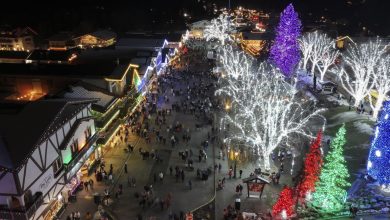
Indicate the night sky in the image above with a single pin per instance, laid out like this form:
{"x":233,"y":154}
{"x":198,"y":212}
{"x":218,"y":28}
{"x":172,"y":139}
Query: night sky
{"x":167,"y":15}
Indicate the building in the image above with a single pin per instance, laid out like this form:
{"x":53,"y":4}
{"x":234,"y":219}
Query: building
{"x":106,"y":112}
{"x":254,"y":43}
{"x":52,"y":56}
{"x":9,"y":56}
{"x":20,"y":39}
{"x":103,"y":38}
{"x":39,"y":171}
{"x":61,"y":41}
{"x":196,"y":29}
{"x":48,"y":72}
{"x":141,"y":44}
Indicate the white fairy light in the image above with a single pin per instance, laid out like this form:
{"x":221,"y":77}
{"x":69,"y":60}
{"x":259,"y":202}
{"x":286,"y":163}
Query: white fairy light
{"x":361,"y":61}
{"x":219,"y":29}
{"x":265,"y":110}
{"x":381,"y":85}
{"x":318,"y":48}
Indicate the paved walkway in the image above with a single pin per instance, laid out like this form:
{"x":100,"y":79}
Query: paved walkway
{"x":184,"y":199}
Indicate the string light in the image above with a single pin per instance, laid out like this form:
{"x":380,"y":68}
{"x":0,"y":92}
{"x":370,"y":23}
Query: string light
{"x":361,"y":61}
{"x":285,"y":52}
{"x":218,"y":29}
{"x":378,"y":160}
{"x":330,"y":193}
{"x":312,"y":168}
{"x":285,"y":204}
{"x":264,"y":110}
{"x":382,"y":85}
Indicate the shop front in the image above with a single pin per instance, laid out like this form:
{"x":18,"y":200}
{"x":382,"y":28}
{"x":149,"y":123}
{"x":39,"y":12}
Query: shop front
{"x":55,"y":208}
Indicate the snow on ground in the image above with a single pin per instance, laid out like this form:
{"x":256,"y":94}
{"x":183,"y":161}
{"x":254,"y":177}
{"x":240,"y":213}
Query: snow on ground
{"x":363,"y":127}
{"x":310,"y":96}
{"x":347,"y":117}
{"x":340,"y":102}
{"x":360,"y":146}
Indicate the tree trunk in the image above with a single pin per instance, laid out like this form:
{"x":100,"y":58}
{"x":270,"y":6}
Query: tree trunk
{"x":378,"y":106}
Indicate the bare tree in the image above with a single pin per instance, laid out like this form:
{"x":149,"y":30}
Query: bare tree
{"x":381,"y":85}
{"x":357,"y":74}
{"x":219,"y":29}
{"x":266,"y":112}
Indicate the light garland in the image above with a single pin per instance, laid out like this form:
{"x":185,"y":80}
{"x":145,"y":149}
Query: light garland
{"x":285,"y":52}
{"x":330,"y":193}
{"x":362,"y":60}
{"x":219,"y":29}
{"x":264,"y":110}
{"x":378,"y":160}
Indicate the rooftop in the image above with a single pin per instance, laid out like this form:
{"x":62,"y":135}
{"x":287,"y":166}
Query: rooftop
{"x":39,"y":119}
{"x":140,"y":43}
{"x":104,"y":34}
{"x":104,"y":100}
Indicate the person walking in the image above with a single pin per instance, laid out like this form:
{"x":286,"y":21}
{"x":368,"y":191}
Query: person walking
{"x":182,"y":175}
{"x":190,"y":184}
{"x":86,"y":186}
{"x":88,"y":216}
{"x":161,"y":175}
{"x":240,"y":173}
{"x":126,"y":167}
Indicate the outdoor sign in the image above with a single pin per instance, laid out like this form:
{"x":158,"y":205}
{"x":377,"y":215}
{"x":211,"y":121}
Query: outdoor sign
{"x":256,"y":187}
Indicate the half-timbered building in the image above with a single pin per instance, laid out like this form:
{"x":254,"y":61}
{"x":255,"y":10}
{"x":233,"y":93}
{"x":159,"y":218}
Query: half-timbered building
{"x":44,"y":148}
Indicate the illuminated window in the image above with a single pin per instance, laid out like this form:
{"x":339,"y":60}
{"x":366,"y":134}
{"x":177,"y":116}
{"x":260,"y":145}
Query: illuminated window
{"x":75,"y":147}
{"x":57,"y":166}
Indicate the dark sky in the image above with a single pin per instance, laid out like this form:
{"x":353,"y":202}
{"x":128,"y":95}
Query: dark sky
{"x":167,"y":15}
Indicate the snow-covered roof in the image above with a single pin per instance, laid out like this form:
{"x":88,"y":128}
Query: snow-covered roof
{"x":80,"y":92}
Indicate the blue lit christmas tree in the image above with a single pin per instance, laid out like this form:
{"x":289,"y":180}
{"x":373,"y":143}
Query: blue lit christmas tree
{"x":285,"y":53}
{"x":378,"y":165}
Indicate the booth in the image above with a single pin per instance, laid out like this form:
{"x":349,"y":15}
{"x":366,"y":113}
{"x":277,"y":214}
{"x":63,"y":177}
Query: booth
{"x":255,"y":185}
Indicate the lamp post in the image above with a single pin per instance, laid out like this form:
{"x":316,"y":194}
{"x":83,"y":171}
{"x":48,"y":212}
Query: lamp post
{"x":235,"y":164}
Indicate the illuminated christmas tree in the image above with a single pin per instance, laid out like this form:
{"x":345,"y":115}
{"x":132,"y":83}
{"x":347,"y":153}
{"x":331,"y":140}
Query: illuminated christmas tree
{"x":330,"y":193}
{"x":378,"y":165}
{"x":312,"y":169}
{"x":284,"y":207}
{"x":285,"y":52}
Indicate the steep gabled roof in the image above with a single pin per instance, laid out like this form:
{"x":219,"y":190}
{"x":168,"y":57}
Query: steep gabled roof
{"x":22,"y":131}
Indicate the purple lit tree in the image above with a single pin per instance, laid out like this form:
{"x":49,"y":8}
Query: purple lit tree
{"x":285,"y":53}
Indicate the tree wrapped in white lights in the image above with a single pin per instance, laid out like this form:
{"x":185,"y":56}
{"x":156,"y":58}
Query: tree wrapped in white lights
{"x":306,"y":43}
{"x":318,"y":48}
{"x":381,"y":84}
{"x":358,"y":73}
{"x":219,"y":29}
{"x":266,"y":112}
{"x":327,"y":60}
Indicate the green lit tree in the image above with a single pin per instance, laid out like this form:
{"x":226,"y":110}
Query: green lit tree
{"x":330,"y":191}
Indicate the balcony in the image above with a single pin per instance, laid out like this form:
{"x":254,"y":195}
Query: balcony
{"x":81,"y":154}
{"x":24,"y":212}
{"x":106,"y":135}
{"x":104,"y":119}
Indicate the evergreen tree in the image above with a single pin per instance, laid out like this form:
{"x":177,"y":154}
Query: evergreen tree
{"x":285,"y":52}
{"x":378,"y":165}
{"x":284,"y":207}
{"x":312,"y":169}
{"x":330,"y":193}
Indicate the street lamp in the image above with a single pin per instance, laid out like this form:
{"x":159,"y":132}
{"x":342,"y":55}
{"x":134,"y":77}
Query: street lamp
{"x":235,"y":164}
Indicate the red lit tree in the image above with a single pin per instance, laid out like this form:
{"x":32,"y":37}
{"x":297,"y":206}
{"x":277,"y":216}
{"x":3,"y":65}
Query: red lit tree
{"x":312,"y":169}
{"x":284,"y":207}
